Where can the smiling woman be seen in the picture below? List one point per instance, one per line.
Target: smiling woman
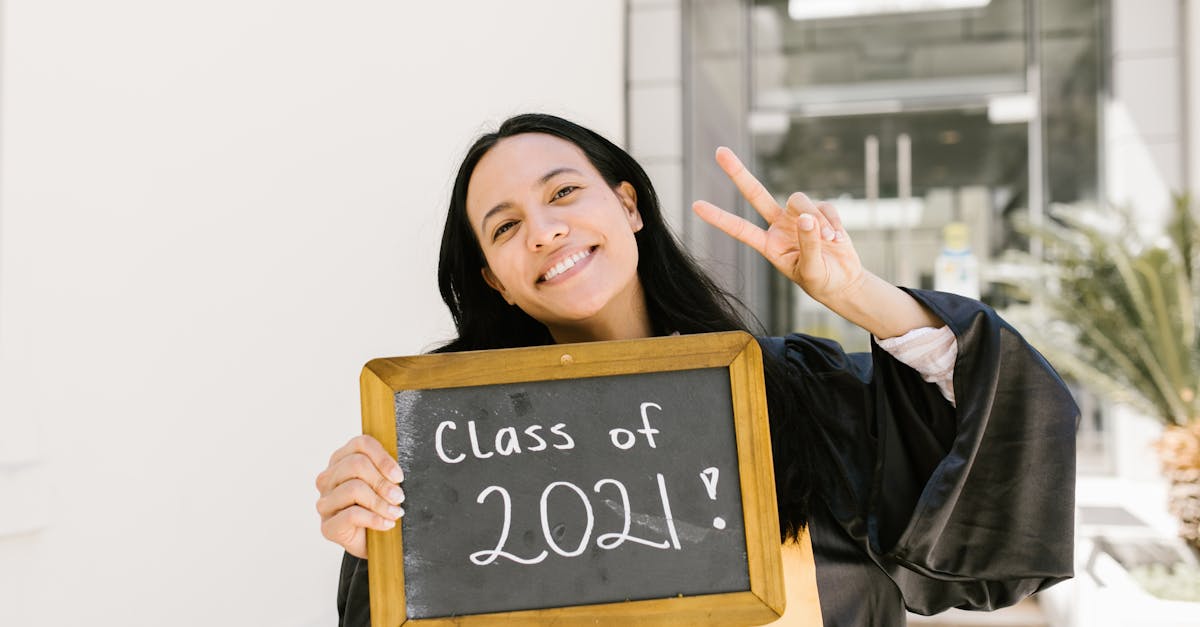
(897, 463)
(558, 240)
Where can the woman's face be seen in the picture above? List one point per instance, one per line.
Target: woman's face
(558, 241)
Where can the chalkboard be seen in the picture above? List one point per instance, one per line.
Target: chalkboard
(617, 481)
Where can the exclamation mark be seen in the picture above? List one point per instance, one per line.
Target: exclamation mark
(709, 477)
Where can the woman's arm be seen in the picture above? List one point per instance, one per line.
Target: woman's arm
(967, 505)
(882, 308)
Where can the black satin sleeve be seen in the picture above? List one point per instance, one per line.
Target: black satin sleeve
(353, 599)
(970, 505)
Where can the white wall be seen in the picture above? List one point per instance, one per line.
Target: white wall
(1144, 128)
(211, 214)
(656, 102)
(1192, 42)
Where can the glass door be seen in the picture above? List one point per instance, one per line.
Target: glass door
(912, 119)
(897, 180)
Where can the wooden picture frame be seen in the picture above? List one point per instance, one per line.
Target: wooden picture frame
(737, 351)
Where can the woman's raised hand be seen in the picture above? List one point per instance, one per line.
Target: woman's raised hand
(803, 240)
(359, 492)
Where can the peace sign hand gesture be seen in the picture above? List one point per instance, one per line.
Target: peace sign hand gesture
(807, 243)
(804, 240)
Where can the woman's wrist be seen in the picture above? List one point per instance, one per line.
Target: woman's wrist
(881, 308)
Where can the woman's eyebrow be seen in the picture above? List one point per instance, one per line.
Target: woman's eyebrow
(555, 172)
(498, 208)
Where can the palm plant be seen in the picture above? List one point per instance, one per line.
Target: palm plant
(1119, 313)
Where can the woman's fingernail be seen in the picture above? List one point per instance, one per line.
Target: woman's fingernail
(395, 512)
(395, 474)
(827, 233)
(806, 222)
(840, 236)
(396, 495)
(388, 524)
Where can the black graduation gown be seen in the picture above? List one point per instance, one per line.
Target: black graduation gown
(934, 506)
(937, 506)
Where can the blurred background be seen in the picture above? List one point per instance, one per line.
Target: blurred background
(212, 214)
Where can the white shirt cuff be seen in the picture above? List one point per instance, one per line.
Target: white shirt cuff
(929, 351)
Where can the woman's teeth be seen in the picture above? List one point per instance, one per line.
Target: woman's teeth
(565, 264)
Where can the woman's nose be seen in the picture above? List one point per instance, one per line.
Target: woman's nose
(543, 228)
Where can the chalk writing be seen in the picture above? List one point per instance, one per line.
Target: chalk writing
(484, 558)
(607, 541)
(505, 443)
(624, 439)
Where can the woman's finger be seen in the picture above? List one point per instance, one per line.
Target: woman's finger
(371, 447)
(810, 262)
(831, 213)
(358, 466)
(800, 204)
(343, 528)
(753, 190)
(357, 492)
(736, 227)
(373, 450)
(810, 225)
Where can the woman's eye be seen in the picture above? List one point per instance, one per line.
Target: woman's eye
(500, 230)
(564, 191)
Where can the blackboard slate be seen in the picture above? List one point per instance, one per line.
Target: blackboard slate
(445, 524)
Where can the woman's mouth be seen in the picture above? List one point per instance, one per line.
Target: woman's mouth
(566, 264)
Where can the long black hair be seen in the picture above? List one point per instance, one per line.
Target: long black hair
(679, 295)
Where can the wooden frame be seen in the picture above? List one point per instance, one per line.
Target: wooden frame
(738, 351)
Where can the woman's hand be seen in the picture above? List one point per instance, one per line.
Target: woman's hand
(359, 492)
(807, 242)
(804, 240)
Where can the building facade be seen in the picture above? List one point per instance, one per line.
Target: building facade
(910, 115)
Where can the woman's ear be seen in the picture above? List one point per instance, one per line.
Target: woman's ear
(628, 197)
(495, 283)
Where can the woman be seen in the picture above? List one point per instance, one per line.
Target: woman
(935, 472)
